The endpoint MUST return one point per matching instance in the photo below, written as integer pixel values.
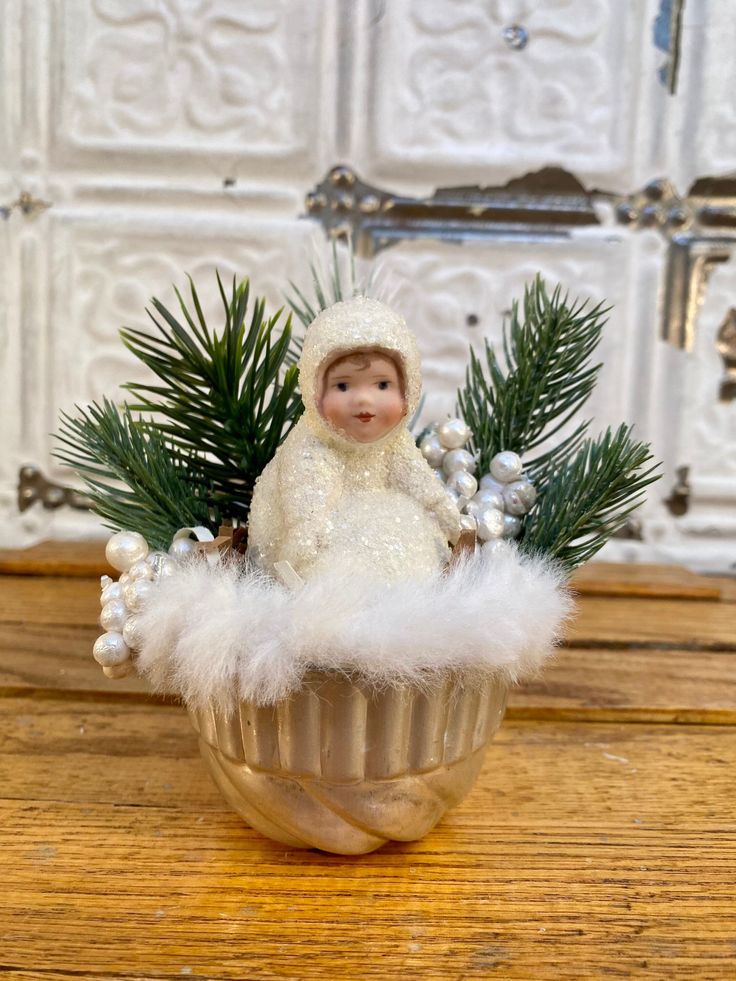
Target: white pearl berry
(124, 549)
(136, 593)
(468, 522)
(453, 434)
(113, 615)
(511, 526)
(112, 591)
(132, 633)
(490, 524)
(489, 498)
(118, 670)
(463, 483)
(506, 466)
(458, 460)
(490, 483)
(141, 570)
(180, 548)
(110, 649)
(432, 450)
(519, 496)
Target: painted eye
(384, 385)
(342, 386)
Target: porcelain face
(363, 399)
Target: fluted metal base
(344, 768)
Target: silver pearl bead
(113, 591)
(432, 450)
(125, 549)
(506, 466)
(511, 526)
(118, 670)
(180, 548)
(136, 593)
(141, 570)
(458, 460)
(453, 434)
(132, 633)
(463, 483)
(519, 496)
(489, 498)
(110, 649)
(439, 474)
(468, 522)
(490, 524)
(113, 615)
(155, 560)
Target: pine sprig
(546, 378)
(588, 497)
(340, 283)
(225, 399)
(135, 479)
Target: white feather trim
(229, 633)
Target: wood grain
(78, 558)
(579, 841)
(666, 581)
(599, 841)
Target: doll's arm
(412, 474)
(310, 483)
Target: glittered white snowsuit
(325, 496)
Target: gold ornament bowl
(343, 767)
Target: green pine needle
(228, 399)
(135, 479)
(338, 284)
(546, 378)
(588, 497)
(587, 488)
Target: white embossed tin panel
(449, 95)
(191, 86)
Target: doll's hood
(356, 323)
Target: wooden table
(598, 842)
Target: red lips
(364, 416)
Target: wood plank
(636, 685)
(629, 579)
(589, 846)
(84, 559)
(630, 622)
(579, 683)
(49, 600)
(601, 621)
(57, 659)
(127, 753)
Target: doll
(348, 485)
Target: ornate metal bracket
(34, 487)
(679, 500)
(550, 204)
(540, 206)
(726, 344)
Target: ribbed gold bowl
(345, 768)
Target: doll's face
(362, 396)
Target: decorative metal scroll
(34, 487)
(549, 204)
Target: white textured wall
(128, 117)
